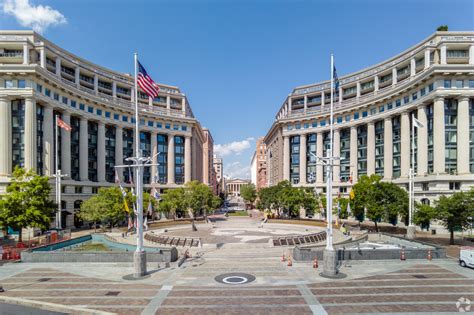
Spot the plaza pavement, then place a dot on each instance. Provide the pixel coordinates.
(370, 286)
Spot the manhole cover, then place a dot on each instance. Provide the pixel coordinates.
(235, 278)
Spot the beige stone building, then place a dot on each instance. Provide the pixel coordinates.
(39, 81)
(233, 186)
(219, 173)
(433, 81)
(208, 161)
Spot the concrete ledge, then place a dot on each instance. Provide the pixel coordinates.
(164, 255)
(51, 306)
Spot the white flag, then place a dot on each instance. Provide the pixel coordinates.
(417, 123)
(348, 209)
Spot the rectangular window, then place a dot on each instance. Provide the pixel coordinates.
(125, 118)
(306, 125)
(99, 112)
(142, 122)
(471, 83)
(314, 124)
(422, 91)
(65, 100)
(82, 106)
(56, 96)
(389, 106)
(47, 92)
(356, 115)
(150, 123)
(298, 126)
(39, 88)
(373, 111)
(459, 84)
(73, 103)
(167, 126)
(381, 109)
(398, 103)
(339, 119)
(431, 87)
(21, 84)
(348, 117)
(447, 84)
(8, 84)
(414, 96)
(116, 116)
(322, 123)
(289, 127)
(159, 125)
(184, 128)
(90, 109)
(364, 113)
(107, 114)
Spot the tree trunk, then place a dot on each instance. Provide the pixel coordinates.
(376, 227)
(20, 236)
(95, 226)
(451, 237)
(193, 225)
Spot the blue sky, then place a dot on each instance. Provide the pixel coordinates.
(237, 60)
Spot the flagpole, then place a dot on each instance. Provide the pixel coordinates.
(138, 180)
(411, 228)
(58, 175)
(329, 167)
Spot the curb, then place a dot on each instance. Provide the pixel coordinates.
(51, 306)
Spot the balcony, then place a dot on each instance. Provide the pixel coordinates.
(385, 80)
(349, 93)
(419, 64)
(403, 73)
(366, 87)
(12, 56)
(105, 87)
(457, 56)
(86, 81)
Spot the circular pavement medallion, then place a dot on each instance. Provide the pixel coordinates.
(235, 278)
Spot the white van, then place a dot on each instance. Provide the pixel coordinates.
(466, 257)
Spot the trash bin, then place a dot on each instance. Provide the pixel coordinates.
(433, 231)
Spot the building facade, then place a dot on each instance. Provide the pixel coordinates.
(39, 81)
(219, 173)
(233, 186)
(433, 81)
(261, 161)
(208, 161)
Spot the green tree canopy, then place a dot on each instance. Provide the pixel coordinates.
(249, 193)
(456, 212)
(172, 202)
(27, 202)
(442, 28)
(423, 215)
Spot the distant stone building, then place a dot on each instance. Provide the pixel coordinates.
(233, 186)
(218, 170)
(261, 164)
(209, 174)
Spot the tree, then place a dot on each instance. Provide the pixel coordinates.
(456, 212)
(343, 202)
(442, 28)
(382, 201)
(106, 207)
(310, 201)
(423, 215)
(172, 202)
(27, 203)
(198, 198)
(249, 193)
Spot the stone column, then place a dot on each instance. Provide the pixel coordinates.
(337, 153)
(168, 103)
(30, 133)
(77, 76)
(303, 159)
(463, 136)
(84, 149)
(119, 150)
(48, 138)
(353, 166)
(114, 89)
(319, 152)
(322, 98)
(405, 152)
(443, 51)
(96, 85)
(290, 105)
(5, 137)
(26, 54)
(370, 148)
(58, 66)
(427, 58)
(422, 139)
(66, 146)
(305, 103)
(394, 76)
(376, 83)
(42, 57)
(412, 67)
(388, 149)
(471, 55)
(187, 159)
(438, 136)
(183, 106)
(357, 89)
(286, 158)
(171, 159)
(340, 94)
(100, 152)
(154, 151)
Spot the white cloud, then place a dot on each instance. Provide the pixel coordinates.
(237, 170)
(235, 147)
(36, 17)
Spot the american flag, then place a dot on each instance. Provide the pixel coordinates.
(146, 83)
(336, 82)
(62, 124)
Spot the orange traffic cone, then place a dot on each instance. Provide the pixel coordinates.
(290, 263)
(283, 258)
(315, 263)
(402, 255)
(429, 255)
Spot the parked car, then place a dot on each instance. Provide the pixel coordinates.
(466, 257)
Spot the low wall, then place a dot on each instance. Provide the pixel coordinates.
(308, 253)
(164, 255)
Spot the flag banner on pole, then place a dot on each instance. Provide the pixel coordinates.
(145, 223)
(155, 194)
(146, 83)
(150, 208)
(63, 125)
(352, 194)
(417, 123)
(117, 177)
(130, 223)
(336, 82)
(348, 209)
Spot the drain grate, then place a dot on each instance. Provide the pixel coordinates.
(112, 293)
(44, 279)
(420, 276)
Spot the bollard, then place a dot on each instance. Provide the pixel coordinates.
(283, 258)
(290, 263)
(402, 255)
(315, 263)
(429, 255)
